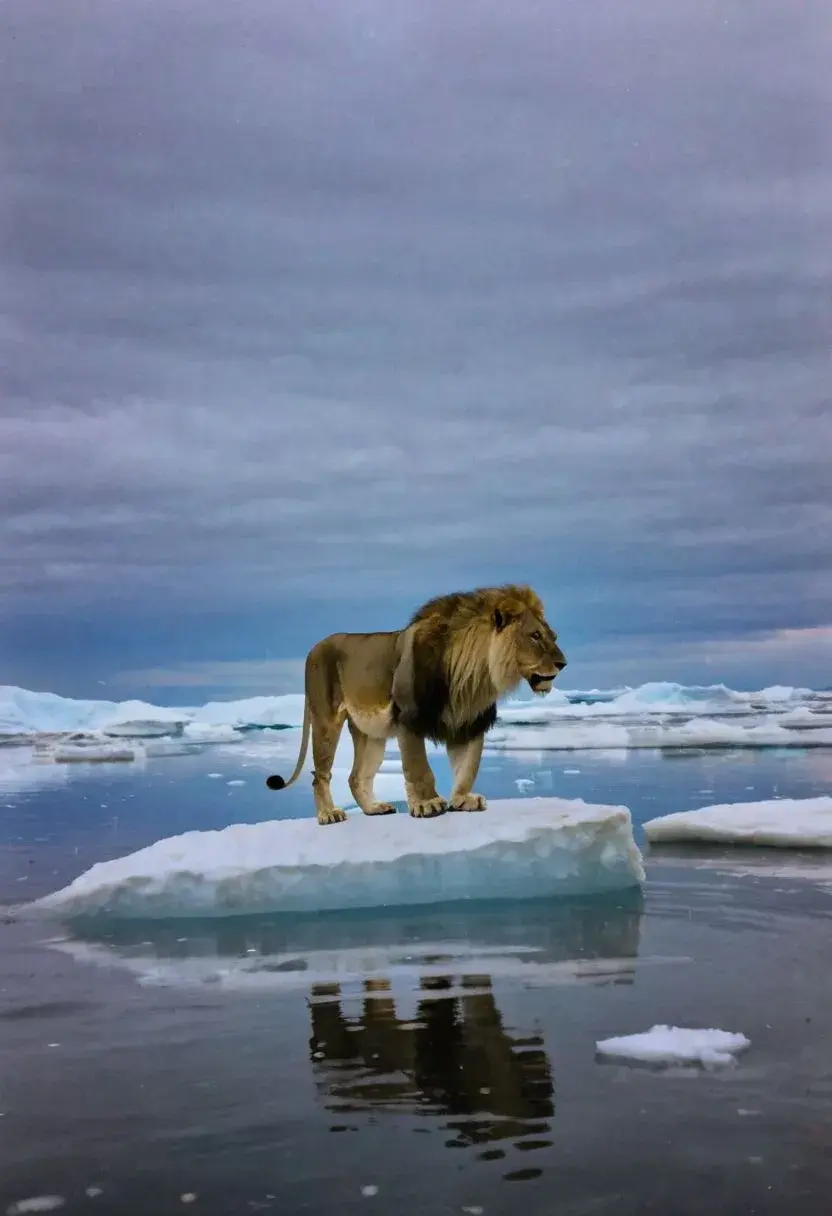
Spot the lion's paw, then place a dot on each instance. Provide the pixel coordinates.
(467, 802)
(333, 815)
(428, 808)
(381, 808)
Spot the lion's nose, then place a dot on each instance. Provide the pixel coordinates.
(560, 663)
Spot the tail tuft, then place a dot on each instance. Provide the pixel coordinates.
(275, 783)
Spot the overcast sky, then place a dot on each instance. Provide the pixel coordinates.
(311, 310)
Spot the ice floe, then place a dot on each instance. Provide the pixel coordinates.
(676, 1045)
(517, 849)
(705, 733)
(787, 823)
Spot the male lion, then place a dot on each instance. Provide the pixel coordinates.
(438, 679)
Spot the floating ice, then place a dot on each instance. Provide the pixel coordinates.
(38, 1203)
(88, 753)
(26, 713)
(787, 823)
(32, 713)
(648, 699)
(696, 733)
(676, 1045)
(286, 710)
(518, 848)
(141, 728)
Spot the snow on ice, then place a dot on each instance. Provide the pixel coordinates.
(676, 1045)
(787, 823)
(518, 848)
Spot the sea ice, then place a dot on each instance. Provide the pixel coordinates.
(696, 733)
(787, 823)
(518, 848)
(676, 1045)
(87, 753)
(23, 712)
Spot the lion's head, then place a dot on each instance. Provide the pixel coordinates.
(524, 646)
(463, 651)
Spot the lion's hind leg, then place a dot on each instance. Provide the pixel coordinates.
(369, 753)
(327, 718)
(465, 763)
(325, 736)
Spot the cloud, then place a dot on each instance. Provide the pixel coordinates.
(339, 308)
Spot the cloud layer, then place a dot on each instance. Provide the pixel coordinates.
(312, 310)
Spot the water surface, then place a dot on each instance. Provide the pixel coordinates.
(431, 1060)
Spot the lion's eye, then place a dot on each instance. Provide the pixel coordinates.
(537, 636)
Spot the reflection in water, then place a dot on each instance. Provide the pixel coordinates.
(449, 1065)
(539, 941)
(454, 1058)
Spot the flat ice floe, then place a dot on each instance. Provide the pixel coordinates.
(696, 733)
(786, 823)
(517, 849)
(675, 1045)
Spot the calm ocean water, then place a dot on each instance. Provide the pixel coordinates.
(435, 1061)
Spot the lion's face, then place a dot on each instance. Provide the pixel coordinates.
(538, 657)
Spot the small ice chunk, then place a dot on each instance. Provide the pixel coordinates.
(38, 1203)
(676, 1045)
(778, 823)
(98, 753)
(369, 1191)
(205, 732)
(142, 728)
(518, 848)
(524, 783)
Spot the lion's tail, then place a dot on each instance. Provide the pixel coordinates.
(277, 783)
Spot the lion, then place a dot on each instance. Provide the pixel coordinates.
(439, 679)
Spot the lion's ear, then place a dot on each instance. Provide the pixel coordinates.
(504, 614)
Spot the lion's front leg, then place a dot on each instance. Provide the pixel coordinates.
(465, 763)
(420, 785)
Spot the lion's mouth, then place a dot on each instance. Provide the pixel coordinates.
(541, 683)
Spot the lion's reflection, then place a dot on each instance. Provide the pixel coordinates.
(454, 1058)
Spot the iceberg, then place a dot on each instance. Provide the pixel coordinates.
(786, 823)
(35, 713)
(675, 1045)
(517, 849)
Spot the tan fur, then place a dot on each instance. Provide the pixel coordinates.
(438, 678)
